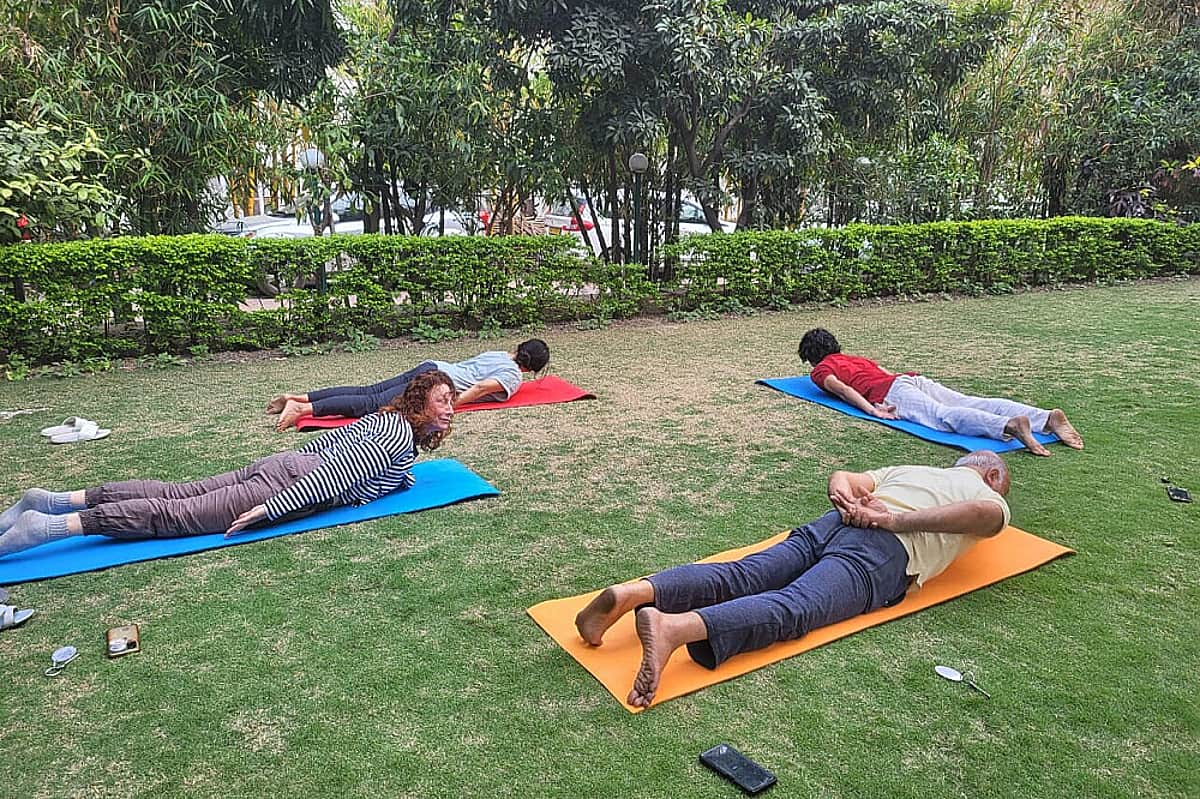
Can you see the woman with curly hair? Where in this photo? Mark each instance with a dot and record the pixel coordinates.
(487, 377)
(352, 465)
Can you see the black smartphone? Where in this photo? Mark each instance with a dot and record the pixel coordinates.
(1179, 494)
(737, 768)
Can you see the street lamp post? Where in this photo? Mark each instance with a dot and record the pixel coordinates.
(313, 160)
(638, 164)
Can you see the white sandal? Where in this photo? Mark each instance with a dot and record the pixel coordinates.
(88, 431)
(11, 617)
(69, 425)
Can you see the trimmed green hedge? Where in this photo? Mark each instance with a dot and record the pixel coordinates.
(774, 267)
(128, 296)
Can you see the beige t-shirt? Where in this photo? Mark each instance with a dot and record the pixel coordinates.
(905, 488)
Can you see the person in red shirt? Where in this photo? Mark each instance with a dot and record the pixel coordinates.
(912, 397)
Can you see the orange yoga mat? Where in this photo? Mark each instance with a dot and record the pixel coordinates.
(616, 661)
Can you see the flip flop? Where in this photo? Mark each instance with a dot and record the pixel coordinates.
(69, 425)
(11, 617)
(88, 431)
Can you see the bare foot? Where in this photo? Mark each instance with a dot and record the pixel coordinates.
(1066, 432)
(661, 634)
(277, 403)
(1019, 428)
(609, 605)
(655, 653)
(292, 411)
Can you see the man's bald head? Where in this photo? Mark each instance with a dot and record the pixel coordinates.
(991, 468)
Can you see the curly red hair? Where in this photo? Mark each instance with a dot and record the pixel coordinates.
(412, 404)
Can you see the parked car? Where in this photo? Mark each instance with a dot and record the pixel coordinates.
(248, 226)
(457, 222)
(558, 217)
(283, 223)
(691, 222)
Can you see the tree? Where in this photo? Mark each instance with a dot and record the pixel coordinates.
(754, 95)
(174, 82)
(1088, 107)
(1141, 149)
(887, 70)
(419, 107)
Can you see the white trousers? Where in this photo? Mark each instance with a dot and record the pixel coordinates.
(924, 401)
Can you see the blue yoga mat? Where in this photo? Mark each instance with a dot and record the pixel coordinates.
(805, 389)
(439, 482)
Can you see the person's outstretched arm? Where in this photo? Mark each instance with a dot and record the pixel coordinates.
(481, 389)
(839, 389)
(978, 517)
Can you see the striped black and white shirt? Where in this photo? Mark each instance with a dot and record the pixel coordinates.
(359, 463)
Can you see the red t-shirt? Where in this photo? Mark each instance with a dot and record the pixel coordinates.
(861, 374)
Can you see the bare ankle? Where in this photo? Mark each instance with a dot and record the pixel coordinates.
(640, 592)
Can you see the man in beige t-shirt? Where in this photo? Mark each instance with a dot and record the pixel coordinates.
(890, 528)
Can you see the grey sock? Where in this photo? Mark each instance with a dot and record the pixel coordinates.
(32, 528)
(39, 499)
(59, 502)
(9, 517)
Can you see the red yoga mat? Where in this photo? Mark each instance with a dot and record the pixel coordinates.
(542, 391)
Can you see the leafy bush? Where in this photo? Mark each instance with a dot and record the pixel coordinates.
(773, 268)
(122, 297)
(128, 296)
(52, 186)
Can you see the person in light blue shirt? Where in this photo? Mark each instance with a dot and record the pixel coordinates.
(488, 377)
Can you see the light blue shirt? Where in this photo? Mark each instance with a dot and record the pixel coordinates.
(495, 365)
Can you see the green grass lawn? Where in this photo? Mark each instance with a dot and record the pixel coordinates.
(394, 658)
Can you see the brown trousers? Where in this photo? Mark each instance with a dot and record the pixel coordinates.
(153, 509)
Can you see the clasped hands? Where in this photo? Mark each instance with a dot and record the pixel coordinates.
(865, 511)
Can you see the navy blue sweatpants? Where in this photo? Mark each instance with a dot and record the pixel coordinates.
(358, 401)
(822, 573)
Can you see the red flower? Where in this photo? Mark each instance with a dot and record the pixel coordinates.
(22, 222)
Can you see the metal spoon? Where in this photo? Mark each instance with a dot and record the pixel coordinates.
(954, 675)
